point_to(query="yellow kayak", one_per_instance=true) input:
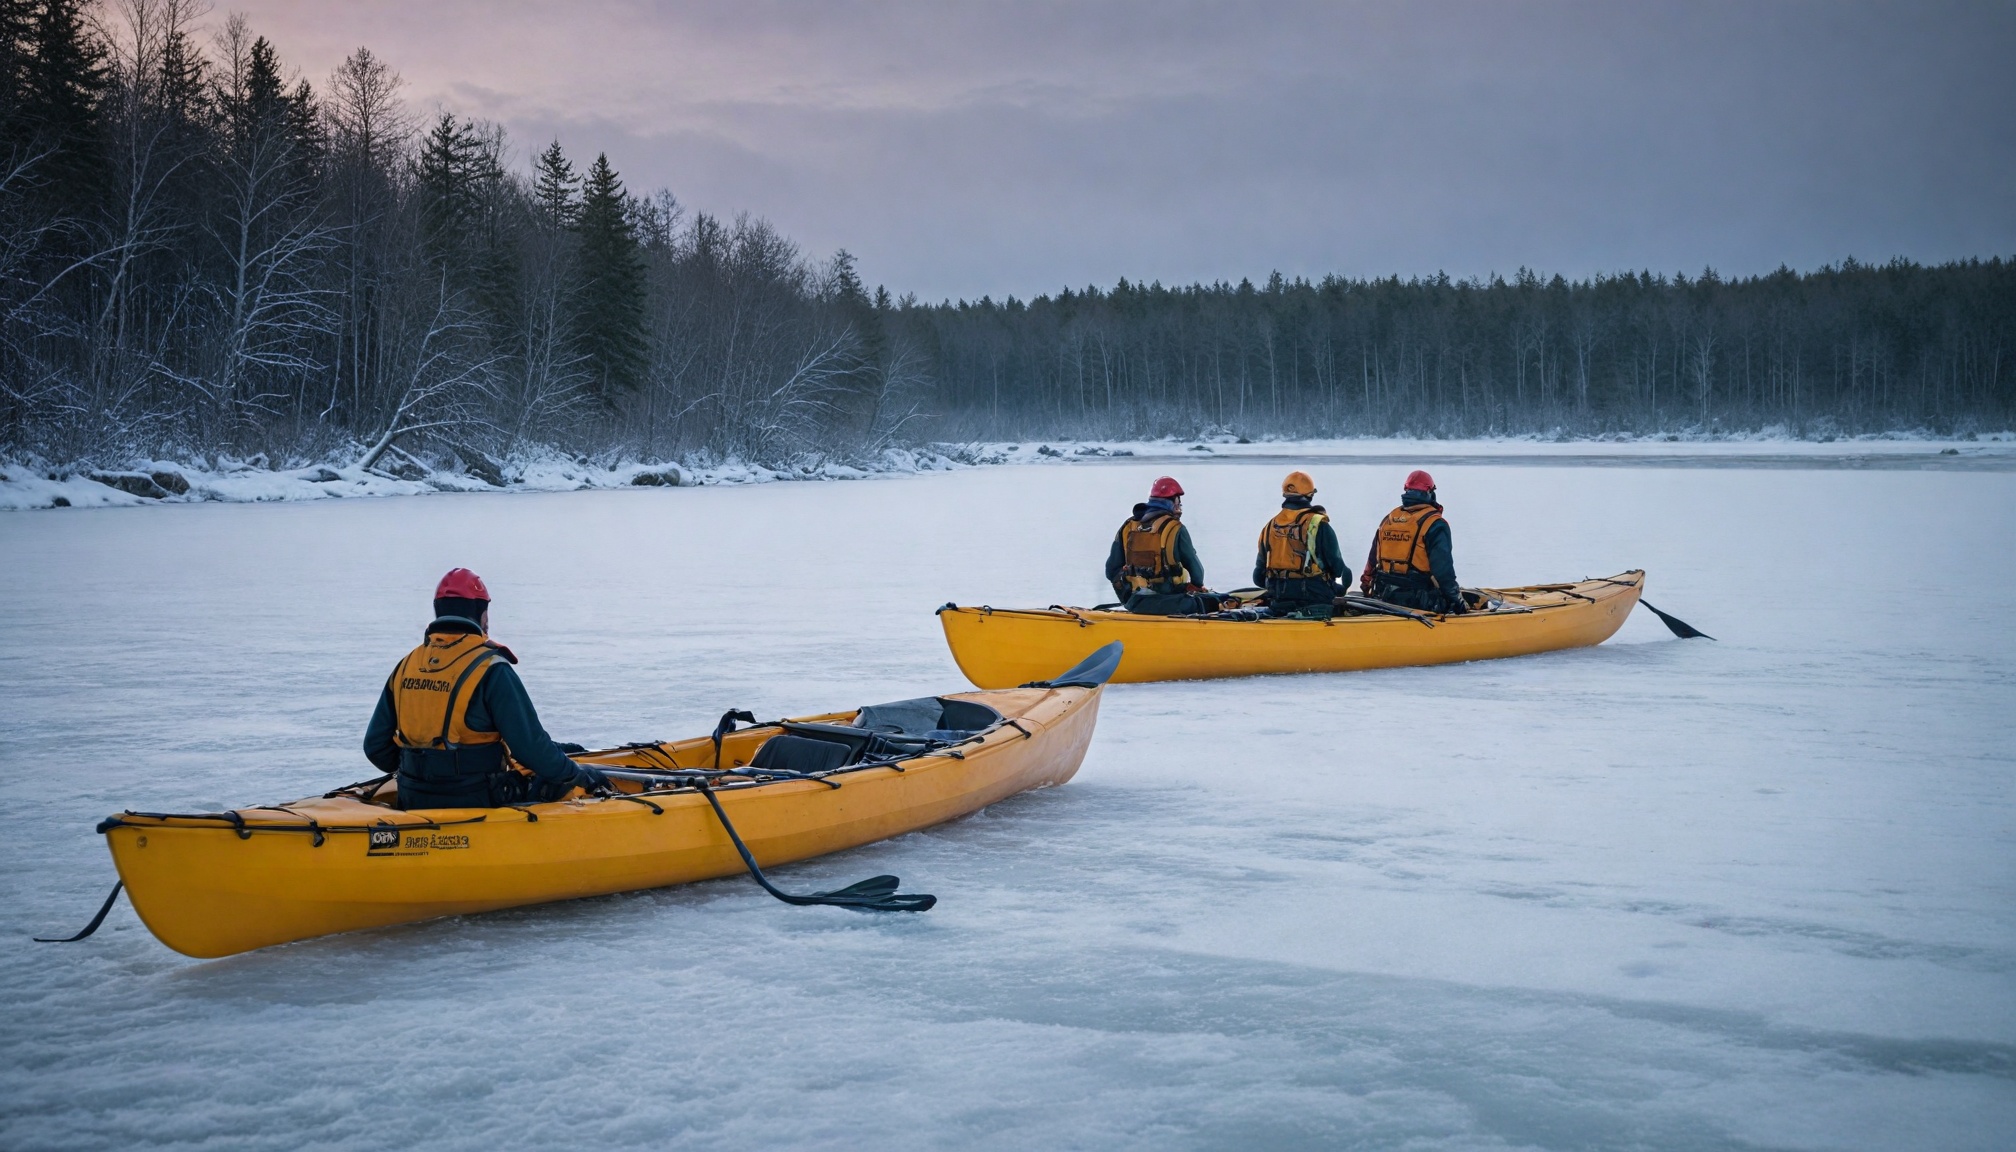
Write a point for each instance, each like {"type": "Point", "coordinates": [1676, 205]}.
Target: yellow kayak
{"type": "Point", "coordinates": [1000, 647]}
{"type": "Point", "coordinates": [213, 884]}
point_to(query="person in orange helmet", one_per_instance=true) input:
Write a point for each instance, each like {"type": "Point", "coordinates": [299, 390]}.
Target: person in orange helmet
{"type": "Point", "coordinates": [1299, 563]}
{"type": "Point", "coordinates": [452, 709]}
{"type": "Point", "coordinates": [1412, 561]}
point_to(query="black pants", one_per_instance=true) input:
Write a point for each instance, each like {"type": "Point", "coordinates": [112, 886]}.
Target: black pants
{"type": "Point", "coordinates": [493, 790]}
{"type": "Point", "coordinates": [1285, 596]}
{"type": "Point", "coordinates": [1147, 603]}
{"type": "Point", "coordinates": [1419, 598]}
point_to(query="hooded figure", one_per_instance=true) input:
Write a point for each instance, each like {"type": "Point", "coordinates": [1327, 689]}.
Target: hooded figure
{"type": "Point", "coordinates": [1412, 562]}
{"type": "Point", "coordinates": [1152, 565]}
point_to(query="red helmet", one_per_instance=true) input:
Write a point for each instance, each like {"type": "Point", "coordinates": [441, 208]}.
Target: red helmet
{"type": "Point", "coordinates": [461, 584]}
{"type": "Point", "coordinates": [1419, 481]}
{"type": "Point", "coordinates": [1165, 488]}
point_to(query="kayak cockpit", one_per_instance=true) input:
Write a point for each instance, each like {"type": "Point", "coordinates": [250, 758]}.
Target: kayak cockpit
{"type": "Point", "coordinates": [877, 734]}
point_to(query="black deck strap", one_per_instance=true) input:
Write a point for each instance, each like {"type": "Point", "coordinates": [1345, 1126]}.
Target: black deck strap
{"type": "Point", "coordinates": [1378, 607]}
{"type": "Point", "coordinates": [103, 909]}
{"type": "Point", "coordinates": [875, 894]}
{"type": "Point", "coordinates": [1017, 725]}
{"type": "Point", "coordinates": [655, 809]}
{"type": "Point", "coordinates": [656, 752]}
{"type": "Point", "coordinates": [726, 726]}
{"type": "Point", "coordinates": [786, 774]}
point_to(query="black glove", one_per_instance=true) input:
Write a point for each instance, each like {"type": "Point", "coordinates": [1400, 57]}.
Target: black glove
{"type": "Point", "coordinates": [1457, 605]}
{"type": "Point", "coordinates": [590, 778]}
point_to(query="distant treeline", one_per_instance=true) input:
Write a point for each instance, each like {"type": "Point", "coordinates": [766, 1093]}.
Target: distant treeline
{"type": "Point", "coordinates": [1850, 349]}
{"type": "Point", "coordinates": [201, 252]}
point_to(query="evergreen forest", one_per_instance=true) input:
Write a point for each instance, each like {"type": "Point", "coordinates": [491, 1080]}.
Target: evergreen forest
{"type": "Point", "coordinates": [202, 251]}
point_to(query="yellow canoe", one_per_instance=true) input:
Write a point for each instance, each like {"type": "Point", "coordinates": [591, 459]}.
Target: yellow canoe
{"type": "Point", "coordinates": [215, 884]}
{"type": "Point", "coordinates": [1000, 647]}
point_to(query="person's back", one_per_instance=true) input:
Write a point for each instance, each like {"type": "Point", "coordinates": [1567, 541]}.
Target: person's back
{"type": "Point", "coordinates": [1412, 561]}
{"type": "Point", "coordinates": [1152, 565]}
{"type": "Point", "coordinates": [1299, 564]}
{"type": "Point", "coordinates": [453, 708]}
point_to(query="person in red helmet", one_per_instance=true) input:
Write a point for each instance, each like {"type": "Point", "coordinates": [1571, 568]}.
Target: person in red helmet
{"type": "Point", "coordinates": [452, 709]}
{"type": "Point", "coordinates": [1152, 565]}
{"type": "Point", "coordinates": [1412, 562]}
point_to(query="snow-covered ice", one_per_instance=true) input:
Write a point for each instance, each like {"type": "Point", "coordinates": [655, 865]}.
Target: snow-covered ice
{"type": "Point", "coordinates": [1754, 893]}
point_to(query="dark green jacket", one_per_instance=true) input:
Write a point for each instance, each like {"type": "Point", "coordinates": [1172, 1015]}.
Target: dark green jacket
{"type": "Point", "coordinates": [1439, 542]}
{"type": "Point", "coordinates": [500, 705]}
{"type": "Point", "coordinates": [1186, 552]}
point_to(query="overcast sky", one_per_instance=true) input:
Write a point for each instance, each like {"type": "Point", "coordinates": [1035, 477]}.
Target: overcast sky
{"type": "Point", "coordinates": [1013, 148]}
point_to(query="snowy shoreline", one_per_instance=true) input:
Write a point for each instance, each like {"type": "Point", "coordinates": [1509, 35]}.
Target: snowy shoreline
{"type": "Point", "coordinates": [30, 485]}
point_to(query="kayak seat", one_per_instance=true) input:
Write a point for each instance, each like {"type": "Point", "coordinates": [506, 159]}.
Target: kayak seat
{"type": "Point", "coordinates": [967, 716]}
{"type": "Point", "coordinates": [802, 754]}
{"type": "Point", "coordinates": [928, 718]}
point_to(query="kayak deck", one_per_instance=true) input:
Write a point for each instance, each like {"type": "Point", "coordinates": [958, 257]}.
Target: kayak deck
{"type": "Point", "coordinates": [997, 647]}
{"type": "Point", "coordinates": [214, 884]}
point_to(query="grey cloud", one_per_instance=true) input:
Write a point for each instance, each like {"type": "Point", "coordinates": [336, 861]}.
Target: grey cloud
{"type": "Point", "coordinates": [961, 150]}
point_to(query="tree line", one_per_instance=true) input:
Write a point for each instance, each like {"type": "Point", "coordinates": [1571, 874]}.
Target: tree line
{"type": "Point", "coordinates": [1847, 349]}
{"type": "Point", "coordinates": [204, 252]}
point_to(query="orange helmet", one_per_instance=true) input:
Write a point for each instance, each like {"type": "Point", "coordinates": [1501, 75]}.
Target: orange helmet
{"type": "Point", "coordinates": [1298, 484]}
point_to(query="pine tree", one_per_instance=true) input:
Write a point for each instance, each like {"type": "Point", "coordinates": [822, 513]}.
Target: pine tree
{"type": "Point", "coordinates": [556, 187]}
{"type": "Point", "coordinates": [610, 323]}
{"type": "Point", "coordinates": [848, 294]}
{"type": "Point", "coordinates": [62, 77]}
{"type": "Point", "coordinates": [462, 188]}
{"type": "Point", "coordinates": [447, 187]}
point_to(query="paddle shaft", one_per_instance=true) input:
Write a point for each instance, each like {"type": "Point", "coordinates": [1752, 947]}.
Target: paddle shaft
{"type": "Point", "coordinates": [877, 894]}
{"type": "Point", "coordinates": [103, 909]}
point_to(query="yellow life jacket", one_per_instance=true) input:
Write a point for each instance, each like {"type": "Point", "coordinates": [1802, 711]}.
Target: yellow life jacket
{"type": "Point", "coordinates": [1401, 547]}
{"type": "Point", "coordinates": [432, 687]}
{"type": "Point", "coordinates": [1289, 542]}
{"type": "Point", "coordinates": [1148, 552]}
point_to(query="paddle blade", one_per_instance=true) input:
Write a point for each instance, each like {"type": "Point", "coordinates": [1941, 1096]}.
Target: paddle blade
{"type": "Point", "coordinates": [875, 887]}
{"type": "Point", "coordinates": [875, 894]}
{"type": "Point", "coordinates": [1090, 672]}
{"type": "Point", "coordinates": [1677, 626]}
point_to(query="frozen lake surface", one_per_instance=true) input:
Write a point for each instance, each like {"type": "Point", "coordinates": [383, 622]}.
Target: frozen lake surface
{"type": "Point", "coordinates": [1751, 894]}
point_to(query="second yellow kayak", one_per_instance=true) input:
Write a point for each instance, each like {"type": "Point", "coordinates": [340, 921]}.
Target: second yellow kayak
{"type": "Point", "coordinates": [1003, 647]}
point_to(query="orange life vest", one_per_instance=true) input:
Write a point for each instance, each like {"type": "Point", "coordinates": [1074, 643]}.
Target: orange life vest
{"type": "Point", "coordinates": [1148, 552]}
{"type": "Point", "coordinates": [1289, 541]}
{"type": "Point", "coordinates": [1401, 547]}
{"type": "Point", "coordinates": [432, 687]}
